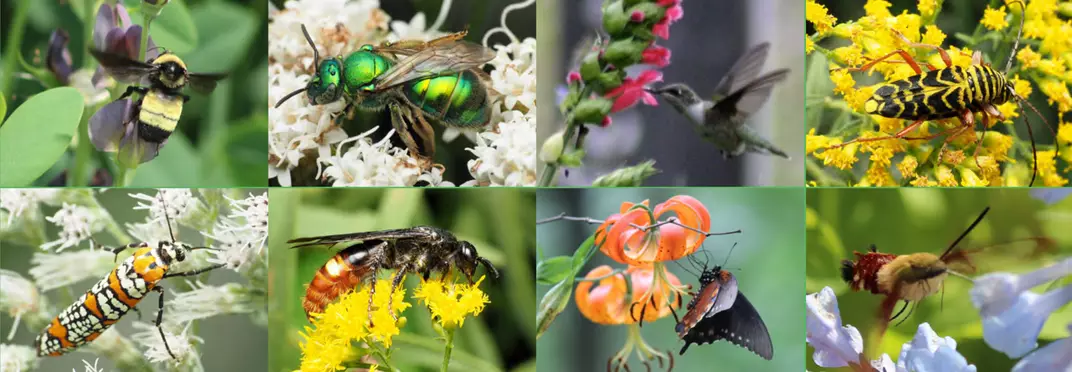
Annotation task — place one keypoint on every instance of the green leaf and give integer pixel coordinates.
(246, 147)
(37, 134)
(172, 29)
(176, 166)
(583, 254)
(552, 304)
(428, 352)
(554, 269)
(818, 87)
(227, 31)
(3, 109)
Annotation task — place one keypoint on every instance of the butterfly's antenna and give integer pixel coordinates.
(707, 259)
(685, 268)
(167, 218)
(728, 255)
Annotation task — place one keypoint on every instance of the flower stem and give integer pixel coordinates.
(14, 42)
(449, 334)
(126, 175)
(78, 175)
(385, 359)
(144, 38)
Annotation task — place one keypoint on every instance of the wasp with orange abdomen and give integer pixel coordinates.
(116, 294)
(422, 250)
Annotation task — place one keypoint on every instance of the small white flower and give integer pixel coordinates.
(514, 76)
(181, 344)
(508, 157)
(76, 223)
(927, 352)
(835, 345)
(176, 205)
(1057, 356)
(17, 358)
(206, 301)
(371, 164)
(415, 29)
(995, 293)
(92, 94)
(18, 201)
(90, 367)
(240, 236)
(51, 271)
(1015, 331)
(19, 297)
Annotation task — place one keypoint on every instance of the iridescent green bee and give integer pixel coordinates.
(438, 81)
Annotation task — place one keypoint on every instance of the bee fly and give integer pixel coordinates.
(420, 250)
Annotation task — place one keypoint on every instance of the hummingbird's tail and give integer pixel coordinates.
(756, 142)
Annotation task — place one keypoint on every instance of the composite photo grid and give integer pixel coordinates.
(368, 185)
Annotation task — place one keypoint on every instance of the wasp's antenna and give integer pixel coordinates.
(167, 219)
(487, 265)
(728, 255)
(316, 53)
(1016, 44)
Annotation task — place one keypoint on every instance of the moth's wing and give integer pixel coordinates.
(744, 70)
(436, 60)
(122, 68)
(747, 100)
(740, 325)
(407, 233)
(205, 83)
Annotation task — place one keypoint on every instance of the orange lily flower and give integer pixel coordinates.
(606, 303)
(620, 238)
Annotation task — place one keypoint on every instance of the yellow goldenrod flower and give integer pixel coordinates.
(450, 303)
(922, 181)
(1064, 133)
(851, 55)
(813, 142)
(1053, 67)
(953, 157)
(857, 98)
(907, 24)
(1057, 92)
(933, 35)
(888, 125)
(1028, 58)
(945, 176)
(994, 19)
(809, 45)
(969, 178)
(997, 145)
(841, 157)
(1022, 87)
(908, 166)
(878, 176)
(843, 81)
(329, 342)
(818, 16)
(1008, 110)
(927, 8)
(878, 8)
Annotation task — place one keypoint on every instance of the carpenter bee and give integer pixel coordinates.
(421, 249)
(140, 127)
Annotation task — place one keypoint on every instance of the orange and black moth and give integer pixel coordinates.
(115, 295)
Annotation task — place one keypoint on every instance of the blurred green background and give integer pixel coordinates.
(224, 336)
(221, 138)
(767, 263)
(907, 221)
(497, 221)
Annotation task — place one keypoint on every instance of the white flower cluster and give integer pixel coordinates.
(15, 358)
(504, 154)
(19, 297)
(241, 235)
(19, 201)
(76, 223)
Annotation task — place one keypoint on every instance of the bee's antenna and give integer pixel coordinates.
(316, 54)
(286, 97)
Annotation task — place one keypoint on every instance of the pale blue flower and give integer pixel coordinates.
(1015, 331)
(835, 345)
(1057, 356)
(995, 293)
(1051, 195)
(927, 352)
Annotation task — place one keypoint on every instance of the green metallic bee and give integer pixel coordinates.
(419, 82)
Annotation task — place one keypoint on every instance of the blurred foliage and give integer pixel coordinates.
(497, 221)
(766, 262)
(224, 336)
(220, 139)
(908, 221)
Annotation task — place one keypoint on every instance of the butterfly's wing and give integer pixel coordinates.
(744, 70)
(715, 297)
(740, 325)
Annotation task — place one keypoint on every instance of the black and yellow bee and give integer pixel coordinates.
(143, 125)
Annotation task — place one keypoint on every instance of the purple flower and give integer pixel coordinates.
(995, 293)
(114, 129)
(58, 57)
(114, 33)
(1052, 195)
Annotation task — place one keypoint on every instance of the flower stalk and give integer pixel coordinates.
(448, 346)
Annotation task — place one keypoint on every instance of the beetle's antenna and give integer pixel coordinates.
(1016, 44)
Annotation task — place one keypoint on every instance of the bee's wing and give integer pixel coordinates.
(439, 59)
(410, 47)
(410, 233)
(747, 100)
(744, 70)
(122, 68)
(205, 83)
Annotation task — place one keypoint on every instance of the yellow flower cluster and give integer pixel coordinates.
(880, 34)
(329, 342)
(450, 303)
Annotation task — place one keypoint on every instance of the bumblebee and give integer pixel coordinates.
(421, 249)
(147, 122)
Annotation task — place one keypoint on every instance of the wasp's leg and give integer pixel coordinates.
(131, 89)
(160, 318)
(371, 295)
(394, 285)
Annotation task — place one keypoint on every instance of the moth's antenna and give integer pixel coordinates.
(167, 218)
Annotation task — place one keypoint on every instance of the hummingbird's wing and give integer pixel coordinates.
(743, 71)
(745, 101)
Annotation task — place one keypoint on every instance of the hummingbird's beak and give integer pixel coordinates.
(653, 90)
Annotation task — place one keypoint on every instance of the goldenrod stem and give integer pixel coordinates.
(449, 333)
(382, 355)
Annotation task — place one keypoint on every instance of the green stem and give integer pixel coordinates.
(385, 360)
(14, 42)
(126, 175)
(448, 348)
(144, 38)
(78, 175)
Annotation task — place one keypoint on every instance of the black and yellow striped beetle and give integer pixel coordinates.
(946, 93)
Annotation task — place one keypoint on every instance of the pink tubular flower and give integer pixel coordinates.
(656, 56)
(633, 90)
(636, 17)
(573, 77)
(674, 12)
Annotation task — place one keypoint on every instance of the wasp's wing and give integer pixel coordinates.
(205, 83)
(409, 233)
(715, 297)
(439, 59)
(744, 70)
(122, 68)
(747, 100)
(740, 325)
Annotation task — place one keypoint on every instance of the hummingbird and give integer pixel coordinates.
(739, 95)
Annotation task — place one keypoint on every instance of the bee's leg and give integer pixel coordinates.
(131, 89)
(409, 122)
(395, 282)
(185, 98)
